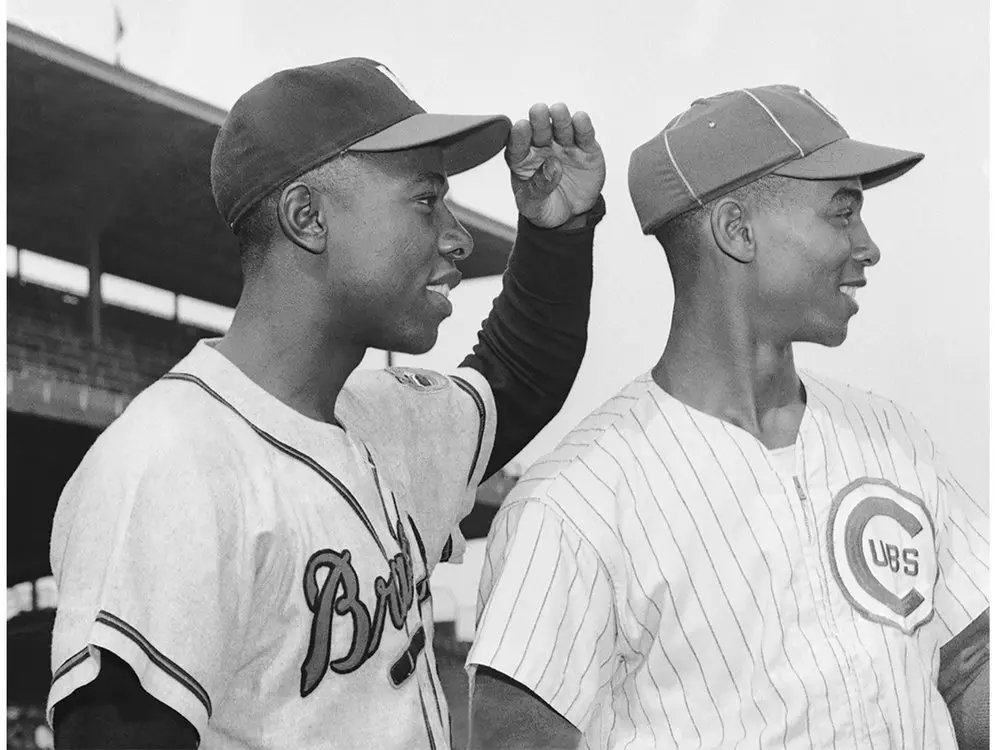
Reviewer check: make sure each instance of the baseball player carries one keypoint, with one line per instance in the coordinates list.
(244, 556)
(730, 553)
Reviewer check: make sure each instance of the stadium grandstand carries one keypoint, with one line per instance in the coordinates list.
(117, 263)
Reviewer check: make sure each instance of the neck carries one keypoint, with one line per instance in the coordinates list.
(716, 363)
(290, 356)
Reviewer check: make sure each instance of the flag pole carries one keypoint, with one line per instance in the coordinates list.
(119, 35)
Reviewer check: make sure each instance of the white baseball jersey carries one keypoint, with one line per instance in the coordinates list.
(267, 575)
(663, 580)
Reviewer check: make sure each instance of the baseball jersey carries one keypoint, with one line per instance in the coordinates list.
(663, 580)
(266, 575)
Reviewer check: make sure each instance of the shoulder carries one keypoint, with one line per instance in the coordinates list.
(854, 405)
(415, 380)
(594, 463)
(170, 428)
(831, 391)
(170, 456)
(172, 414)
(368, 391)
(396, 382)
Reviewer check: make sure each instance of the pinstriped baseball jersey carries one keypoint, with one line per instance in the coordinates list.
(663, 580)
(264, 574)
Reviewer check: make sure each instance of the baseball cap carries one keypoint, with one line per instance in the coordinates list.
(734, 138)
(299, 118)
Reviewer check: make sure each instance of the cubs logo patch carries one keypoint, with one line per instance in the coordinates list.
(419, 380)
(880, 540)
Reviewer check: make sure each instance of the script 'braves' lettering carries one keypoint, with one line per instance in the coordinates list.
(339, 596)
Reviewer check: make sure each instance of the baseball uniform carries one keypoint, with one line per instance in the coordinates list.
(299, 611)
(663, 580)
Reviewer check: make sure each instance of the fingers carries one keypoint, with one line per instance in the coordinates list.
(562, 124)
(555, 123)
(586, 137)
(548, 125)
(519, 142)
(541, 127)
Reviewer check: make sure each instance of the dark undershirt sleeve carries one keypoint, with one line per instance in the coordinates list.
(532, 343)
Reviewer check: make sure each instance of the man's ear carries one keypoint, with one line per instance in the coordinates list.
(302, 219)
(731, 228)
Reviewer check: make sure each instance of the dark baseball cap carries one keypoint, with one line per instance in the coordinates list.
(299, 118)
(734, 138)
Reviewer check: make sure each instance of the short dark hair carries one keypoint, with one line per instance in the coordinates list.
(256, 227)
(256, 230)
(679, 236)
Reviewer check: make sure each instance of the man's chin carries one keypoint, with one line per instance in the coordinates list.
(416, 344)
(829, 338)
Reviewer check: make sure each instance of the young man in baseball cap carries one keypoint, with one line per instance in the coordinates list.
(244, 556)
(730, 552)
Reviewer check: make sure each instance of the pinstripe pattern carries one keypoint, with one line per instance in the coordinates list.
(692, 589)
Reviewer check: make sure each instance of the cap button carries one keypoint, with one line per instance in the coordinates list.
(711, 124)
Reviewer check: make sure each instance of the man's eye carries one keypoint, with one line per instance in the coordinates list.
(428, 200)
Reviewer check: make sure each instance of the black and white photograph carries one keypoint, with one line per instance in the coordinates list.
(470, 376)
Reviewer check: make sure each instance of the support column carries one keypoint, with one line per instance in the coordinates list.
(94, 266)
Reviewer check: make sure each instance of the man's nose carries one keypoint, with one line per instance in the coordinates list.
(455, 241)
(865, 250)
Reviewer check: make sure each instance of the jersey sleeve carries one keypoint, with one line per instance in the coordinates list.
(962, 590)
(546, 611)
(437, 432)
(961, 595)
(151, 565)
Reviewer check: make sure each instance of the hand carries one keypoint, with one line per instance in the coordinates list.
(556, 165)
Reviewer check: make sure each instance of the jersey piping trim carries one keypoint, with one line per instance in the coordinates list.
(427, 720)
(481, 407)
(423, 590)
(289, 451)
(76, 659)
(420, 542)
(447, 550)
(165, 664)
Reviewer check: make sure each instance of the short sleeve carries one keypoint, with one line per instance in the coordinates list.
(962, 590)
(150, 563)
(546, 614)
(435, 431)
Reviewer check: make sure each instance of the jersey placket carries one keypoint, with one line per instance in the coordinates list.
(818, 577)
(421, 593)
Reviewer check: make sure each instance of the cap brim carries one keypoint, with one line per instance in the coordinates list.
(847, 158)
(467, 140)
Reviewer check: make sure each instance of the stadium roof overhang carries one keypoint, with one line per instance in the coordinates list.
(100, 157)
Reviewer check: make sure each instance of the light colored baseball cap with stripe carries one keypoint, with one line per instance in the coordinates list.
(732, 139)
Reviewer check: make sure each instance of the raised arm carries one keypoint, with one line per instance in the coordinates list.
(531, 345)
(961, 600)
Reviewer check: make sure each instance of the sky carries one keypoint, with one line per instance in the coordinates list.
(911, 74)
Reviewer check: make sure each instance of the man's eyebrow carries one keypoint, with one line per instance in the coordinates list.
(849, 193)
(437, 178)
